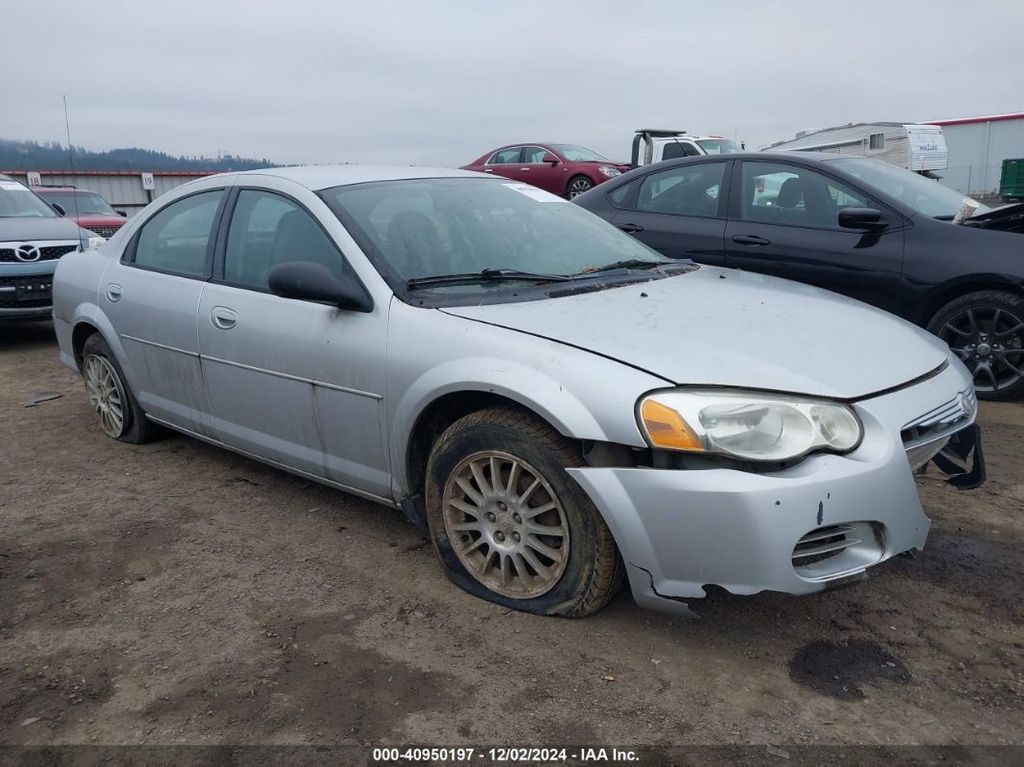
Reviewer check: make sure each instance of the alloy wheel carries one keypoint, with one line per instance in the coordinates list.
(106, 395)
(579, 186)
(990, 341)
(506, 524)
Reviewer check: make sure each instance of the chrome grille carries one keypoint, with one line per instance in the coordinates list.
(941, 421)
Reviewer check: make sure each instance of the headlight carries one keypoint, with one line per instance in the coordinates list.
(610, 172)
(92, 242)
(747, 425)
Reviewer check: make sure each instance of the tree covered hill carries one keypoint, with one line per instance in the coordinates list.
(32, 155)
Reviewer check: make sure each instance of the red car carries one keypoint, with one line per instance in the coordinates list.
(563, 169)
(87, 209)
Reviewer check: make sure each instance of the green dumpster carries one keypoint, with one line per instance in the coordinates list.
(1011, 182)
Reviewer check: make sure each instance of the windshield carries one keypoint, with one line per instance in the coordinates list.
(17, 201)
(718, 145)
(88, 203)
(926, 196)
(574, 153)
(448, 226)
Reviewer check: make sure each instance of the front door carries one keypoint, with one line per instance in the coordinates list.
(152, 294)
(680, 212)
(784, 221)
(298, 382)
(549, 177)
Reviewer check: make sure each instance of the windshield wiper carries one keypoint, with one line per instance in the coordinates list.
(631, 263)
(484, 275)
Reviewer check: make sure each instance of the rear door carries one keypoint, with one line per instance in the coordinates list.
(680, 212)
(506, 162)
(784, 221)
(152, 297)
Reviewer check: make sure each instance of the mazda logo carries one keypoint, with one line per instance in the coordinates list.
(27, 253)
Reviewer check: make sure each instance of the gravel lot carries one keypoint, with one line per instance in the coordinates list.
(175, 593)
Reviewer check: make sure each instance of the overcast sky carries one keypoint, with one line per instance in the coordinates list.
(439, 83)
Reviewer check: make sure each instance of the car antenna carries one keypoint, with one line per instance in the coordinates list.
(71, 164)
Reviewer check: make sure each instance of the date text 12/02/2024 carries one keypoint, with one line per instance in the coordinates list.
(501, 754)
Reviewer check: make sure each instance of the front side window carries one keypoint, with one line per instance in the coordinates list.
(177, 239)
(534, 155)
(506, 156)
(429, 227)
(688, 190)
(779, 193)
(267, 230)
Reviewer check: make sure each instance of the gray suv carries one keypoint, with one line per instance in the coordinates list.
(32, 238)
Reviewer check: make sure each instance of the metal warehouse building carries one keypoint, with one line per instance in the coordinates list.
(129, 191)
(977, 147)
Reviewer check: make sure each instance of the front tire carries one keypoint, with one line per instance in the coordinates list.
(985, 330)
(577, 186)
(510, 525)
(118, 413)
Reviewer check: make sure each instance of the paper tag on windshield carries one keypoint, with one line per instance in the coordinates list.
(537, 194)
(967, 209)
(12, 186)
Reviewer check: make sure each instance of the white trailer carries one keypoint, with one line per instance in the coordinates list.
(920, 148)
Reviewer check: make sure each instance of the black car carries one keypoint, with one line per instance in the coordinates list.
(860, 227)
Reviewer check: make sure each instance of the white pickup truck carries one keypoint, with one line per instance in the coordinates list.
(654, 145)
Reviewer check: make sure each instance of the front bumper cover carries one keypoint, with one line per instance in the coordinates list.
(682, 530)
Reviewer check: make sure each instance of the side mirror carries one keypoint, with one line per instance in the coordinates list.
(59, 208)
(309, 281)
(122, 213)
(865, 219)
(550, 159)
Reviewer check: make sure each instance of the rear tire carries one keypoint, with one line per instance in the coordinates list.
(510, 525)
(985, 330)
(118, 413)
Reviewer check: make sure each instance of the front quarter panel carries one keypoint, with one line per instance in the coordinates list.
(431, 354)
(75, 286)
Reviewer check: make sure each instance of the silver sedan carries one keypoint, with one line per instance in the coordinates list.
(555, 405)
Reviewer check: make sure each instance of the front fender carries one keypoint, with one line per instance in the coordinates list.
(582, 395)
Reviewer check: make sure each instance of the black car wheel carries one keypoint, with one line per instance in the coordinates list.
(986, 331)
(577, 186)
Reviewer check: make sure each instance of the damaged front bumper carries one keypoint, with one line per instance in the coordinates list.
(818, 524)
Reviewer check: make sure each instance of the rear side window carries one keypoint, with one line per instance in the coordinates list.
(506, 156)
(267, 230)
(177, 239)
(688, 190)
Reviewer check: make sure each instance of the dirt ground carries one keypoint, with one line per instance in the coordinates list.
(174, 593)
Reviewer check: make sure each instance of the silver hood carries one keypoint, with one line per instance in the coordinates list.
(36, 229)
(730, 328)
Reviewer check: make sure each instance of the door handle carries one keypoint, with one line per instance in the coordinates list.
(488, 170)
(750, 239)
(630, 228)
(524, 169)
(223, 318)
(114, 292)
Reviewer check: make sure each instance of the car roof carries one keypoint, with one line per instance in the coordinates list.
(58, 189)
(326, 176)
